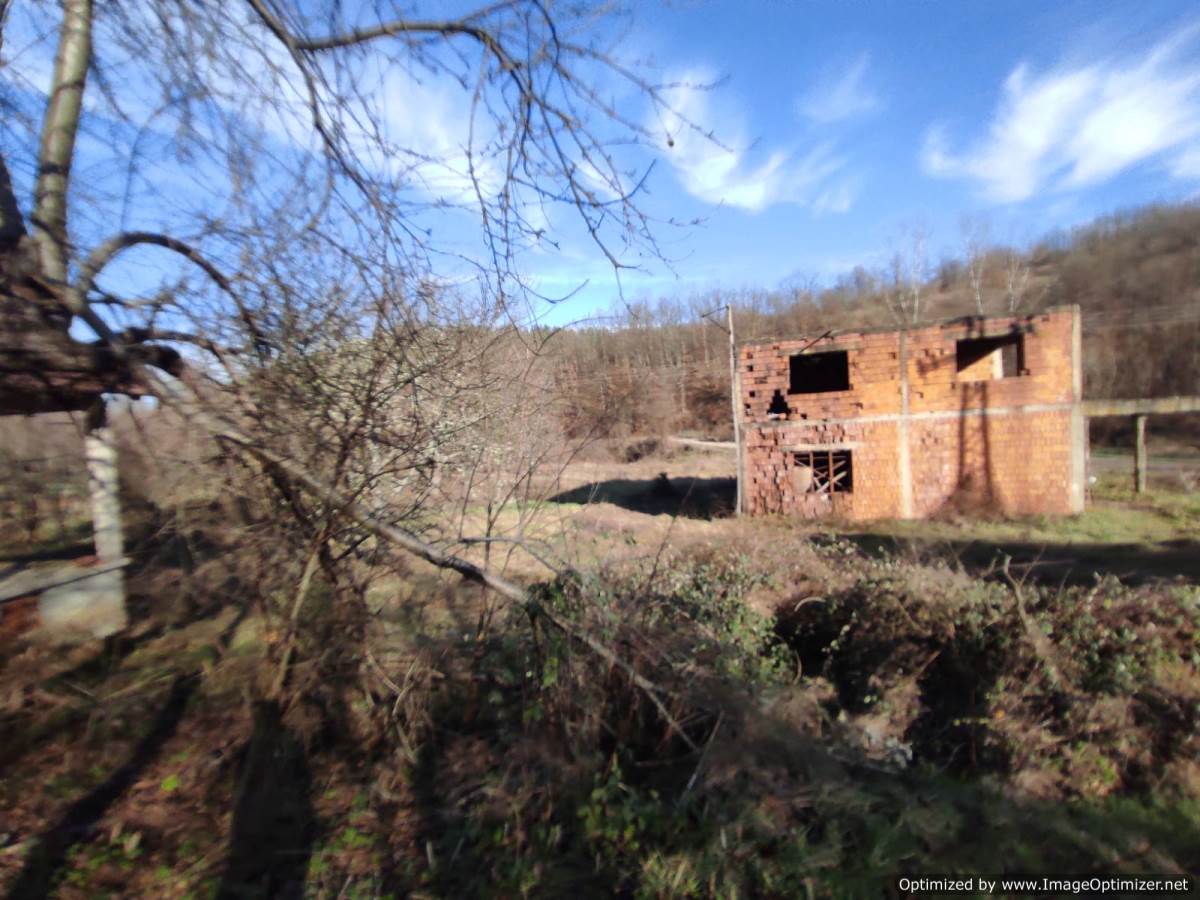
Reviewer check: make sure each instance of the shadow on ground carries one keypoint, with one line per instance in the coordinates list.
(47, 860)
(693, 498)
(271, 838)
(1076, 563)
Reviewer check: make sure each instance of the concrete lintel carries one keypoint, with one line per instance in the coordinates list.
(817, 448)
(829, 345)
(930, 415)
(1149, 406)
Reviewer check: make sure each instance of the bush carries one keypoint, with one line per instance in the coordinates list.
(642, 448)
(1003, 692)
(549, 768)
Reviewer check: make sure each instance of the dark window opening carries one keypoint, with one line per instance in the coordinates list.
(778, 405)
(985, 359)
(824, 472)
(818, 373)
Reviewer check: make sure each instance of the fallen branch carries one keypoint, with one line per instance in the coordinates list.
(310, 569)
(407, 745)
(700, 762)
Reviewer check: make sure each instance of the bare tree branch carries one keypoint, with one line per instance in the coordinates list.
(411, 543)
(446, 27)
(106, 252)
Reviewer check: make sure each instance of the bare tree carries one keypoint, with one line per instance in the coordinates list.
(275, 164)
(1016, 278)
(907, 273)
(976, 233)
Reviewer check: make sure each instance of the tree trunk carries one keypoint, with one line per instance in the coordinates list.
(12, 226)
(59, 128)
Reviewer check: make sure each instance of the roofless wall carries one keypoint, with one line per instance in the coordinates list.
(980, 412)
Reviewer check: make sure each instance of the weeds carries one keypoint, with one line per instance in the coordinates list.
(560, 774)
(895, 719)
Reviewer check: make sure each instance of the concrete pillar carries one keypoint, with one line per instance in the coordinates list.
(1139, 460)
(94, 606)
(735, 388)
(1079, 422)
(101, 453)
(904, 452)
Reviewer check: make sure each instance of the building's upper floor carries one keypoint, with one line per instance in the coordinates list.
(957, 365)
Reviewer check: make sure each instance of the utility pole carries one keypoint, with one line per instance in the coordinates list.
(734, 395)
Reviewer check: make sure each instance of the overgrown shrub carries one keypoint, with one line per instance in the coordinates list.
(548, 769)
(472, 759)
(1009, 678)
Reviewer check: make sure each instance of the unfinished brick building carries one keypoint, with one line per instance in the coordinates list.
(982, 412)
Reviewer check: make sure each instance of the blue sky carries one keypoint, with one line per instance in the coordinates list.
(850, 121)
(838, 125)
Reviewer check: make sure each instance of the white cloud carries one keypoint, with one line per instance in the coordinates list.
(841, 95)
(1073, 127)
(415, 128)
(836, 199)
(722, 173)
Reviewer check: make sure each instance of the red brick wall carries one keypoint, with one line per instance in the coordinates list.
(770, 470)
(1018, 464)
(1003, 443)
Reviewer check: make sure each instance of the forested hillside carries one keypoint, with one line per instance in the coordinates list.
(1135, 274)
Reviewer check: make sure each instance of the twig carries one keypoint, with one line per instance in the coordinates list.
(703, 754)
(310, 568)
(1040, 643)
(400, 692)
(808, 600)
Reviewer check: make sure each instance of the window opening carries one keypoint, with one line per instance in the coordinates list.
(819, 373)
(990, 358)
(824, 471)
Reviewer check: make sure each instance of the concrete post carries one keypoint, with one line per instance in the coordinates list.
(1079, 422)
(101, 452)
(904, 452)
(94, 605)
(736, 391)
